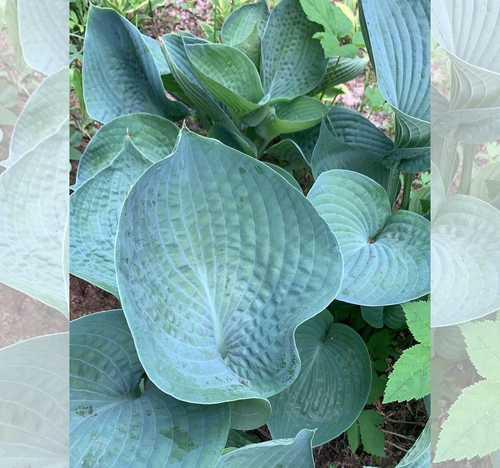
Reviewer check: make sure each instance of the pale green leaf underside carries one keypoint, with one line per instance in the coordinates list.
(113, 424)
(33, 402)
(229, 75)
(403, 71)
(43, 115)
(33, 210)
(473, 424)
(483, 346)
(419, 455)
(153, 135)
(273, 454)
(386, 255)
(43, 32)
(348, 140)
(243, 29)
(411, 377)
(94, 213)
(332, 387)
(120, 75)
(218, 258)
(293, 62)
(249, 414)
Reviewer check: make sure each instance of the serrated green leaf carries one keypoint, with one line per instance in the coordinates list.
(378, 386)
(293, 62)
(244, 27)
(229, 75)
(483, 347)
(120, 75)
(418, 318)
(354, 437)
(472, 424)
(372, 437)
(117, 420)
(402, 72)
(386, 255)
(411, 377)
(332, 387)
(203, 270)
(347, 140)
(93, 231)
(153, 135)
(34, 401)
(273, 454)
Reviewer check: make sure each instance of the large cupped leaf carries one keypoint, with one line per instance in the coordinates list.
(119, 418)
(34, 402)
(293, 62)
(174, 48)
(273, 454)
(386, 255)
(94, 212)
(244, 28)
(219, 259)
(34, 214)
(347, 140)
(398, 34)
(120, 75)
(290, 117)
(333, 385)
(43, 33)
(229, 75)
(152, 134)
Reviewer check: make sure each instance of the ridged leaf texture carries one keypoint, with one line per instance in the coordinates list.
(235, 259)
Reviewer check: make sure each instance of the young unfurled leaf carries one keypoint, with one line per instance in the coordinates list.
(333, 385)
(410, 378)
(209, 266)
(386, 255)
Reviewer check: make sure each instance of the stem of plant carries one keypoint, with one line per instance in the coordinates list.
(407, 181)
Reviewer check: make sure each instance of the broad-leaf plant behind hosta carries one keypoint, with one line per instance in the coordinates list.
(225, 270)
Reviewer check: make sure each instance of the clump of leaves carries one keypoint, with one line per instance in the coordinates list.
(224, 268)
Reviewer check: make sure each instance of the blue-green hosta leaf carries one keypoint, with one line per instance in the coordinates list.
(390, 316)
(286, 175)
(155, 48)
(399, 37)
(373, 316)
(174, 48)
(152, 134)
(94, 213)
(291, 117)
(43, 33)
(244, 28)
(44, 113)
(340, 70)
(288, 155)
(306, 140)
(229, 75)
(231, 259)
(273, 454)
(419, 456)
(33, 403)
(347, 140)
(386, 255)
(33, 210)
(120, 75)
(332, 387)
(117, 420)
(249, 414)
(293, 63)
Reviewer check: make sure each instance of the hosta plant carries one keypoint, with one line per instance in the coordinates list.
(189, 207)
